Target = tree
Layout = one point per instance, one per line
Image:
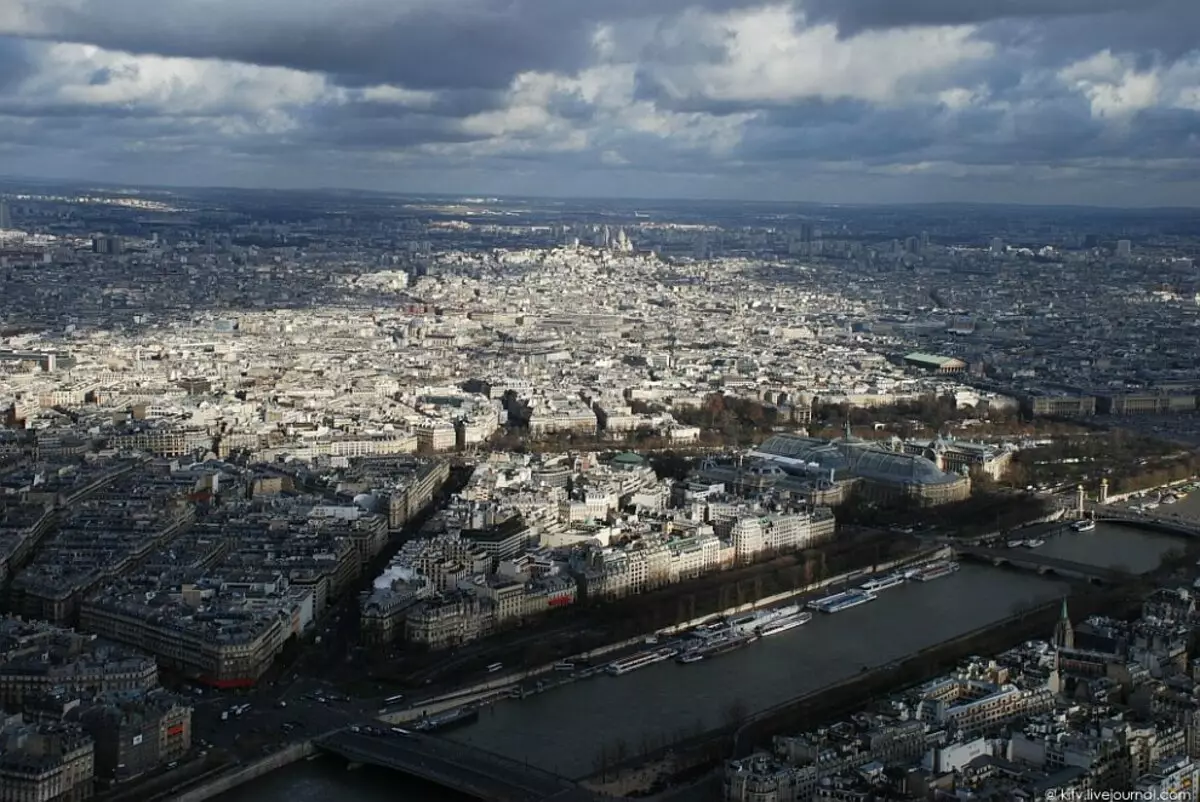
(735, 712)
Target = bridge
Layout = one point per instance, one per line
(1159, 522)
(470, 771)
(1033, 561)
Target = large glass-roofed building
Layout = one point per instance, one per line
(877, 471)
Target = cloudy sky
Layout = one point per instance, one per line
(1037, 101)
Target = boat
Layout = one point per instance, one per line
(1083, 526)
(937, 570)
(448, 720)
(689, 657)
(1033, 543)
(752, 622)
(842, 601)
(784, 624)
(882, 583)
(1170, 500)
(627, 664)
(1016, 544)
(724, 645)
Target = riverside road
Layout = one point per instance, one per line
(564, 730)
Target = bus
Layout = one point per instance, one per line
(494, 667)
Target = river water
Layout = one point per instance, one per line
(565, 729)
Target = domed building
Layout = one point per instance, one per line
(870, 469)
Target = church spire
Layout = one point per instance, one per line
(1064, 633)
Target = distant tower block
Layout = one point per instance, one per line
(1103, 491)
(1079, 499)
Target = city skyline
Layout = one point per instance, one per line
(854, 102)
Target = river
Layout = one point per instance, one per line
(564, 729)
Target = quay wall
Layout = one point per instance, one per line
(494, 689)
(242, 774)
(1117, 497)
(836, 701)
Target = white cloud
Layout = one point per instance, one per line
(1113, 86)
(772, 55)
(88, 76)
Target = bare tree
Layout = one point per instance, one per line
(620, 751)
(735, 712)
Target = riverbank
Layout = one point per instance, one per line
(502, 687)
(684, 761)
(242, 774)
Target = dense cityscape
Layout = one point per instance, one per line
(292, 472)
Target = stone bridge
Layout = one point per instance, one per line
(1158, 522)
(467, 770)
(1031, 560)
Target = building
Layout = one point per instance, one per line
(877, 473)
(45, 762)
(40, 658)
(422, 481)
(960, 456)
(218, 632)
(1145, 403)
(449, 620)
(935, 364)
(135, 733)
(1060, 406)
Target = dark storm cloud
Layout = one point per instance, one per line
(425, 45)
(373, 126)
(16, 62)
(1035, 133)
(854, 16)
(1054, 30)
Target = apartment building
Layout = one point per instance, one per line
(135, 733)
(409, 497)
(212, 633)
(37, 658)
(45, 762)
(449, 620)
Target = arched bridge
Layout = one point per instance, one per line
(1159, 522)
(1033, 561)
(470, 771)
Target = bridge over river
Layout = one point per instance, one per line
(471, 771)
(1044, 564)
(1167, 523)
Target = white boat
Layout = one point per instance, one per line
(783, 625)
(842, 601)
(627, 664)
(937, 570)
(1083, 526)
(689, 657)
(1033, 543)
(882, 583)
(752, 622)
(1016, 544)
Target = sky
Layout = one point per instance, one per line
(1092, 102)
